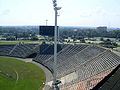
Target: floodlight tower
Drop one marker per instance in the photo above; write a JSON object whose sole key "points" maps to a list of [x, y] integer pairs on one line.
{"points": [[55, 46], [46, 21]]}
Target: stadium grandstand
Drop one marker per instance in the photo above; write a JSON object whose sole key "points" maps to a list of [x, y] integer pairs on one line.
{"points": [[110, 82], [79, 66], [24, 50]]}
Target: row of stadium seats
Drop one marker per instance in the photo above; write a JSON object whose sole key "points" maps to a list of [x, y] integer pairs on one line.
{"points": [[5, 49], [85, 60], [22, 50], [72, 57], [42, 53], [46, 51], [81, 57], [105, 61], [86, 84], [41, 58], [62, 56]]}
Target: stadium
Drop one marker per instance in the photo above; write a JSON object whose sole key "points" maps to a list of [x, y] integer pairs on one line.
{"points": [[79, 66], [73, 58]]}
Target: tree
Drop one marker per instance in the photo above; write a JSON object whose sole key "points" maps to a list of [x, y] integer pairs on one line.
{"points": [[34, 38], [82, 40], [10, 38], [101, 39], [109, 44]]}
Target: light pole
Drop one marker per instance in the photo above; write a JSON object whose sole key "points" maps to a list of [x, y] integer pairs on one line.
{"points": [[55, 46], [46, 21]]}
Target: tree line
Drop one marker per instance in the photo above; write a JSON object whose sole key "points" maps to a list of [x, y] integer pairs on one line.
{"points": [[90, 33]]}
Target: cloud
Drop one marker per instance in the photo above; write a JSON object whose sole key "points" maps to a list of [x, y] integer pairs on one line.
{"points": [[100, 11], [5, 12], [85, 14], [116, 14]]}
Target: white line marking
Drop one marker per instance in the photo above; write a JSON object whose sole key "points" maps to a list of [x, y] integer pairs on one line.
{"points": [[16, 75]]}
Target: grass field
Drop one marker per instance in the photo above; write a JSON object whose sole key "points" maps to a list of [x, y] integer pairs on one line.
{"points": [[15, 42], [19, 75]]}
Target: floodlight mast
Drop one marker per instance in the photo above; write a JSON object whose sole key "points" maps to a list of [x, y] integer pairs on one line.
{"points": [[55, 46], [46, 22]]}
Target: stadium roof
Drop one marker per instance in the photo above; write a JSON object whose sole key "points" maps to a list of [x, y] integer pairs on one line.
{"points": [[110, 82]]}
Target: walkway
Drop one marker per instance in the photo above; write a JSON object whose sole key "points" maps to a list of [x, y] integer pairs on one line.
{"points": [[48, 74]]}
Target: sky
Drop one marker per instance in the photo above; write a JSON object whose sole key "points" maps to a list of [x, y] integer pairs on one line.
{"points": [[90, 13]]}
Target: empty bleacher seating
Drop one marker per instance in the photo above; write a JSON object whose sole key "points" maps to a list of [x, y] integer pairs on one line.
{"points": [[5, 49], [22, 50], [88, 62], [85, 60]]}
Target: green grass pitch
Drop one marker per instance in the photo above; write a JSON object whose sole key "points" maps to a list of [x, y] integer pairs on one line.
{"points": [[19, 75]]}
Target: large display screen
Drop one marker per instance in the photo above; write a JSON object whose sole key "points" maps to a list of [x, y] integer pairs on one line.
{"points": [[46, 30]]}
